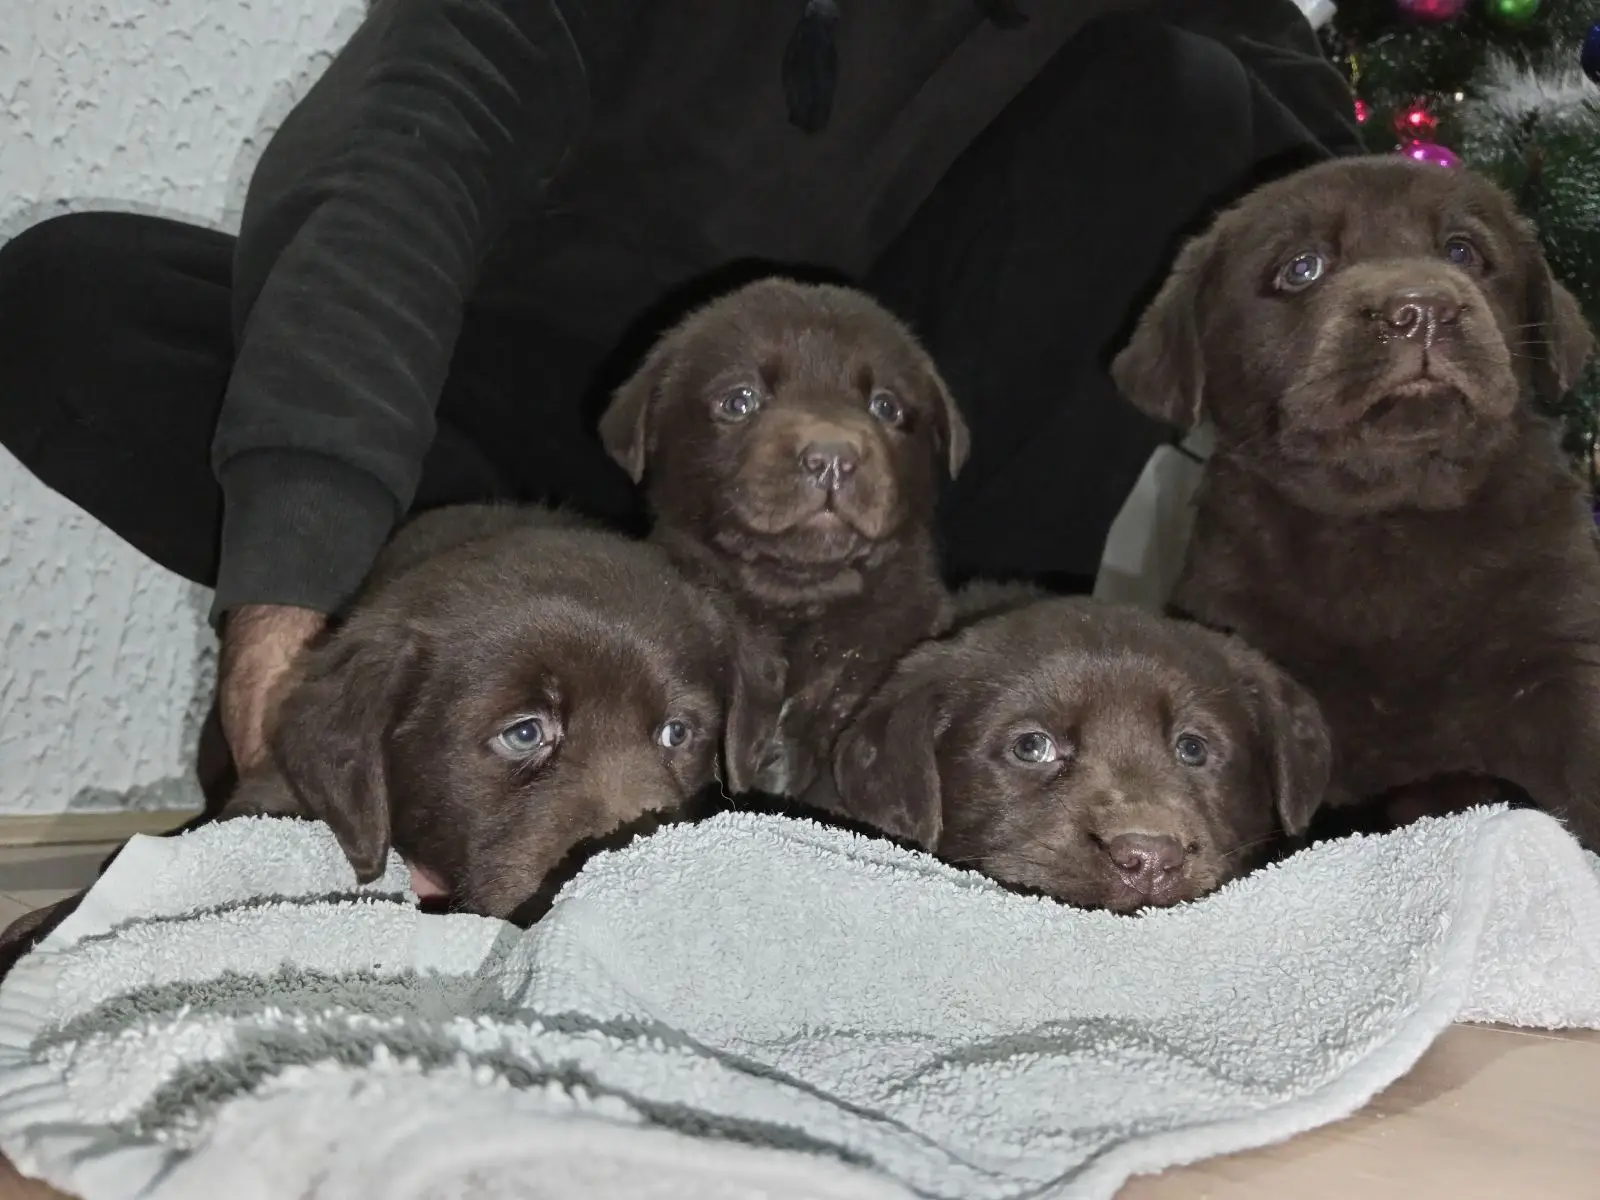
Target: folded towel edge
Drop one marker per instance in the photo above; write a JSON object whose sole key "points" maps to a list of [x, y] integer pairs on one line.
{"points": [[1384, 1063]]}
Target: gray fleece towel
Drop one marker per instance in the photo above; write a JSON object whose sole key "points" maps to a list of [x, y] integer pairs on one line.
{"points": [[752, 1007]]}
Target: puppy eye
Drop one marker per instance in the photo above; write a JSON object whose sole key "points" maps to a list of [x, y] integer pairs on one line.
{"points": [[1301, 271], [1191, 750], [740, 403], [1461, 251], [1035, 748], [886, 408], [673, 735], [521, 739]]}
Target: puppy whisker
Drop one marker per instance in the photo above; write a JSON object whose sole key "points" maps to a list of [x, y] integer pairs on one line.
{"points": [[1253, 844]]}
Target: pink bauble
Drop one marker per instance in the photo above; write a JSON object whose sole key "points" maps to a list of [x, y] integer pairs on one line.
{"points": [[1432, 10], [1431, 153]]}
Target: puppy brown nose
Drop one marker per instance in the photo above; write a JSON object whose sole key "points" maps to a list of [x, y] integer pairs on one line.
{"points": [[1417, 313], [828, 464], [1146, 862]]}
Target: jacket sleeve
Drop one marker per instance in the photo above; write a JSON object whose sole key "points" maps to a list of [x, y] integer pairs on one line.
{"points": [[364, 227]]}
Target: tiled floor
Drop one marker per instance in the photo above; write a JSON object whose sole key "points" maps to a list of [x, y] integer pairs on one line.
{"points": [[1487, 1114]]}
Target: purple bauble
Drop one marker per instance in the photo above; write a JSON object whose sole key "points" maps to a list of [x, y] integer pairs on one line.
{"points": [[1589, 56], [1431, 10], [1431, 153]]}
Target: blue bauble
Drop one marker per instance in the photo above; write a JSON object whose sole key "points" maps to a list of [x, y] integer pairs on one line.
{"points": [[1589, 56]]}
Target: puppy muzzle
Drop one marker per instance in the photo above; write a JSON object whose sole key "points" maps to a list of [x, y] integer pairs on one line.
{"points": [[816, 480]]}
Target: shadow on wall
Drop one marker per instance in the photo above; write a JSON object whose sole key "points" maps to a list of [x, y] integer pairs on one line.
{"points": [[261, 57]]}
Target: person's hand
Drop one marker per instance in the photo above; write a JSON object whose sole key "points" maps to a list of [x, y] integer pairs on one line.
{"points": [[260, 645]]}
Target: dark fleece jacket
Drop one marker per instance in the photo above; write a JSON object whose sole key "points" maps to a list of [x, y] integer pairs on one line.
{"points": [[585, 156]]}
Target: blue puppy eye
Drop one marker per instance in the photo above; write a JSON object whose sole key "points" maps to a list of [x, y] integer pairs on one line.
{"points": [[521, 739], [1035, 748], [1301, 271], [885, 408], [1461, 251], [672, 735], [740, 403], [1191, 750]]}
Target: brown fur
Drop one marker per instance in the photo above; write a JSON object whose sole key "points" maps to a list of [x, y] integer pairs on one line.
{"points": [[838, 567], [473, 620], [932, 758], [1386, 514]]}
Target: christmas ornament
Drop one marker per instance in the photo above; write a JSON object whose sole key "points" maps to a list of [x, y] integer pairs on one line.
{"points": [[1589, 56], [1514, 12], [1415, 122], [1430, 152], [1362, 111], [1432, 10]]}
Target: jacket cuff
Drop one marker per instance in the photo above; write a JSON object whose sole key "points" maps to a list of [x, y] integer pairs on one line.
{"points": [[297, 529]]}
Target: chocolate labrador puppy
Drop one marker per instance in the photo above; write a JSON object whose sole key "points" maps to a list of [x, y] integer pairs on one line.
{"points": [[510, 687], [1386, 513], [790, 438], [1096, 753]]}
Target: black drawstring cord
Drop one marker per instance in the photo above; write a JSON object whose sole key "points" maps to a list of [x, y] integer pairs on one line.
{"points": [[811, 66]]}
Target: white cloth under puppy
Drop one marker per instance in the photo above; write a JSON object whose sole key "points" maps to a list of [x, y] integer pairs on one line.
{"points": [[752, 1007]]}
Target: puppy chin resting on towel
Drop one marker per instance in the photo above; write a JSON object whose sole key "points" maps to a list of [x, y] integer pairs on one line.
{"points": [[511, 687], [1095, 753]]}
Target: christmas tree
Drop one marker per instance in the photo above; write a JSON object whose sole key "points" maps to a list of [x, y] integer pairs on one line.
{"points": [[1511, 88]]}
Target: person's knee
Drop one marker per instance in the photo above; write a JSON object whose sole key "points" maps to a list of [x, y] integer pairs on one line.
{"points": [[1137, 134], [49, 274], [57, 258], [1135, 108], [1166, 79]]}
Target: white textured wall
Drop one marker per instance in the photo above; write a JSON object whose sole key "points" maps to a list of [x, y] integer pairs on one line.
{"points": [[143, 105]]}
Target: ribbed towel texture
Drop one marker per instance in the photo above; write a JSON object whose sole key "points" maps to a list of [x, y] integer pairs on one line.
{"points": [[752, 1007]]}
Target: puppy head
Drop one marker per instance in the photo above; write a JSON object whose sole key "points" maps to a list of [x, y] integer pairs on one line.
{"points": [[1101, 755], [496, 708], [1361, 334], [795, 425]]}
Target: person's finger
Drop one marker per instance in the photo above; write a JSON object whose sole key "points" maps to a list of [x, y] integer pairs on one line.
{"points": [[245, 732], [244, 711], [261, 648]]}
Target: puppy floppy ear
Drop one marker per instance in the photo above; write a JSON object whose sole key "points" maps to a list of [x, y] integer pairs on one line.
{"points": [[1161, 370], [331, 741], [954, 437], [886, 767], [627, 425], [1561, 333], [1295, 743], [755, 702]]}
